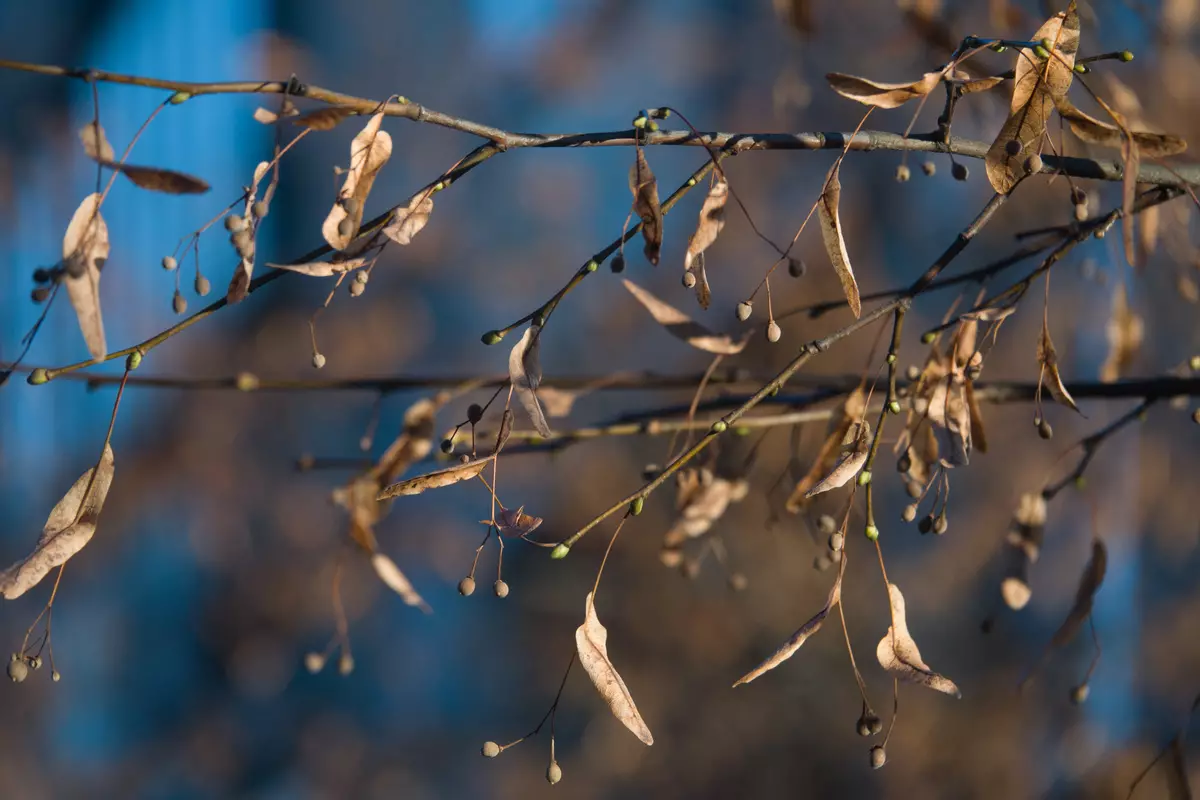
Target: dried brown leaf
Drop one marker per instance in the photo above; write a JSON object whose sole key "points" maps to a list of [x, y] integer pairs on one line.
{"points": [[526, 374], [850, 464], [369, 151], [324, 119], [155, 179], [946, 407], [898, 654], [789, 648], [882, 95], [852, 411], [515, 522], [591, 639], [70, 526], [1089, 584], [683, 327], [835, 242], [436, 479], [712, 221], [408, 222], [239, 284], [323, 269], [395, 580], [701, 499], [644, 186], [978, 434], [95, 143], [1131, 156], [1125, 332], [85, 250], [414, 442], [983, 84], [1093, 131], [1048, 361]]}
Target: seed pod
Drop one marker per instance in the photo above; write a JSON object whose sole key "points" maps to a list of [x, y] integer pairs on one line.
{"points": [[39, 294], [466, 587], [362, 276], [837, 540], [617, 265], [743, 310], [318, 361], [941, 524], [878, 756], [234, 223], [904, 462], [447, 446], [178, 303], [350, 204], [959, 171], [168, 263], [1081, 215], [553, 773], [202, 285], [903, 173], [500, 588], [796, 267], [356, 288], [926, 524], [345, 664], [773, 332], [314, 662], [929, 168], [826, 524], [738, 582], [259, 209], [689, 279], [1044, 430], [1079, 694], [1034, 164], [345, 228], [822, 563], [18, 671], [490, 750], [1012, 147], [909, 513]]}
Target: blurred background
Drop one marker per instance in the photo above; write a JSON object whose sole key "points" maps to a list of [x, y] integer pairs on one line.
{"points": [[180, 631]]}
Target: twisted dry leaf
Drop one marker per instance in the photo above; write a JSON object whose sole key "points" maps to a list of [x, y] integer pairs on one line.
{"points": [[408, 221], [515, 522], [369, 151], [882, 95], [701, 498], [898, 653], [323, 119], [683, 327], [835, 242], [85, 250], [97, 148], [239, 284], [436, 479], [788, 649], [1037, 84], [1125, 332], [1048, 361], [1093, 131], [526, 374], [395, 580], [644, 186], [851, 462], [95, 143], [591, 639], [70, 526], [852, 412], [712, 221], [1085, 594], [323, 269]]}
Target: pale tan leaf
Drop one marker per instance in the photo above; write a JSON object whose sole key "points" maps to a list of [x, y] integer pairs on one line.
{"points": [[1089, 584], [835, 242], [436, 479], [1125, 332], [978, 434], [239, 284], [591, 639], [852, 411], [526, 375], [849, 465], [369, 151], [414, 442], [703, 290], [1131, 156], [85, 250], [265, 116], [95, 143], [898, 654], [323, 119], [408, 222], [882, 95], [701, 499], [70, 526], [712, 221], [515, 522], [983, 84], [644, 186], [395, 580], [1093, 131], [789, 648], [946, 408], [557, 403], [322, 269], [1048, 360], [683, 327]]}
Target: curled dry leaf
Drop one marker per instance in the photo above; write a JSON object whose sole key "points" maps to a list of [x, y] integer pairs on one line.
{"points": [[95, 143], [323, 269], [239, 284], [1125, 332], [851, 462], [591, 639], [97, 148], [999, 307], [1024, 540], [712, 221], [982, 84], [788, 649], [436, 479], [835, 242], [323, 119], [526, 374], [882, 95], [1089, 584], [1037, 85], [701, 498], [898, 654], [683, 327], [85, 250], [852, 411], [407, 222], [70, 526], [369, 151], [703, 291], [1093, 131], [395, 580], [515, 522], [644, 186], [943, 400], [1048, 361]]}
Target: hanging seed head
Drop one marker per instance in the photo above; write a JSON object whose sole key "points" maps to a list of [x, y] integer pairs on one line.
{"points": [[1034, 164], [903, 173], [55, 676], [318, 361], [466, 587], [168, 263], [1081, 215], [500, 588], [43, 275], [904, 462], [39, 294], [822, 562], [1079, 694], [490, 750], [926, 524], [553, 773], [260, 209], [202, 285], [959, 171], [314, 662], [447, 446], [878, 756], [837, 540], [909, 513], [18, 671], [826, 524], [345, 227], [345, 664], [350, 204], [1044, 430], [940, 524], [689, 279], [929, 168], [773, 331], [796, 267], [235, 223], [617, 265], [362, 276], [744, 310], [474, 413], [178, 303], [869, 724], [738, 582], [492, 337], [35, 662]]}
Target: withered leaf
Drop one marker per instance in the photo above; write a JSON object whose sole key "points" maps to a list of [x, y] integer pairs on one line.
{"points": [[898, 654], [526, 374], [1048, 360], [239, 284], [982, 84], [515, 522], [683, 327], [1131, 156], [436, 479], [1093, 131], [323, 119], [414, 442], [835, 242], [322, 269], [369, 151], [85, 250], [852, 411], [395, 580], [978, 435], [788, 649], [1089, 584], [947, 409], [701, 499], [703, 291], [154, 179], [644, 186], [882, 95], [557, 402], [95, 143], [712, 221], [591, 639], [70, 526], [407, 222], [850, 464], [1037, 84], [1125, 332]]}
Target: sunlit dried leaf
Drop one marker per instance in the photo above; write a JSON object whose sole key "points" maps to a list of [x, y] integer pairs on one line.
{"points": [[70, 526], [978, 434], [369, 151], [526, 374], [982, 84], [323, 119], [703, 290], [515, 522], [712, 221], [849, 465], [414, 442], [1089, 584], [265, 116], [407, 222], [395, 580], [1125, 333], [898, 654], [788, 649], [85, 250], [95, 143], [1037, 84], [1093, 131], [644, 186], [945, 405], [591, 639], [882, 95], [436, 479], [701, 499], [1131, 156], [323, 269], [835, 242], [852, 411], [154, 179], [239, 284], [683, 327], [1048, 361]]}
